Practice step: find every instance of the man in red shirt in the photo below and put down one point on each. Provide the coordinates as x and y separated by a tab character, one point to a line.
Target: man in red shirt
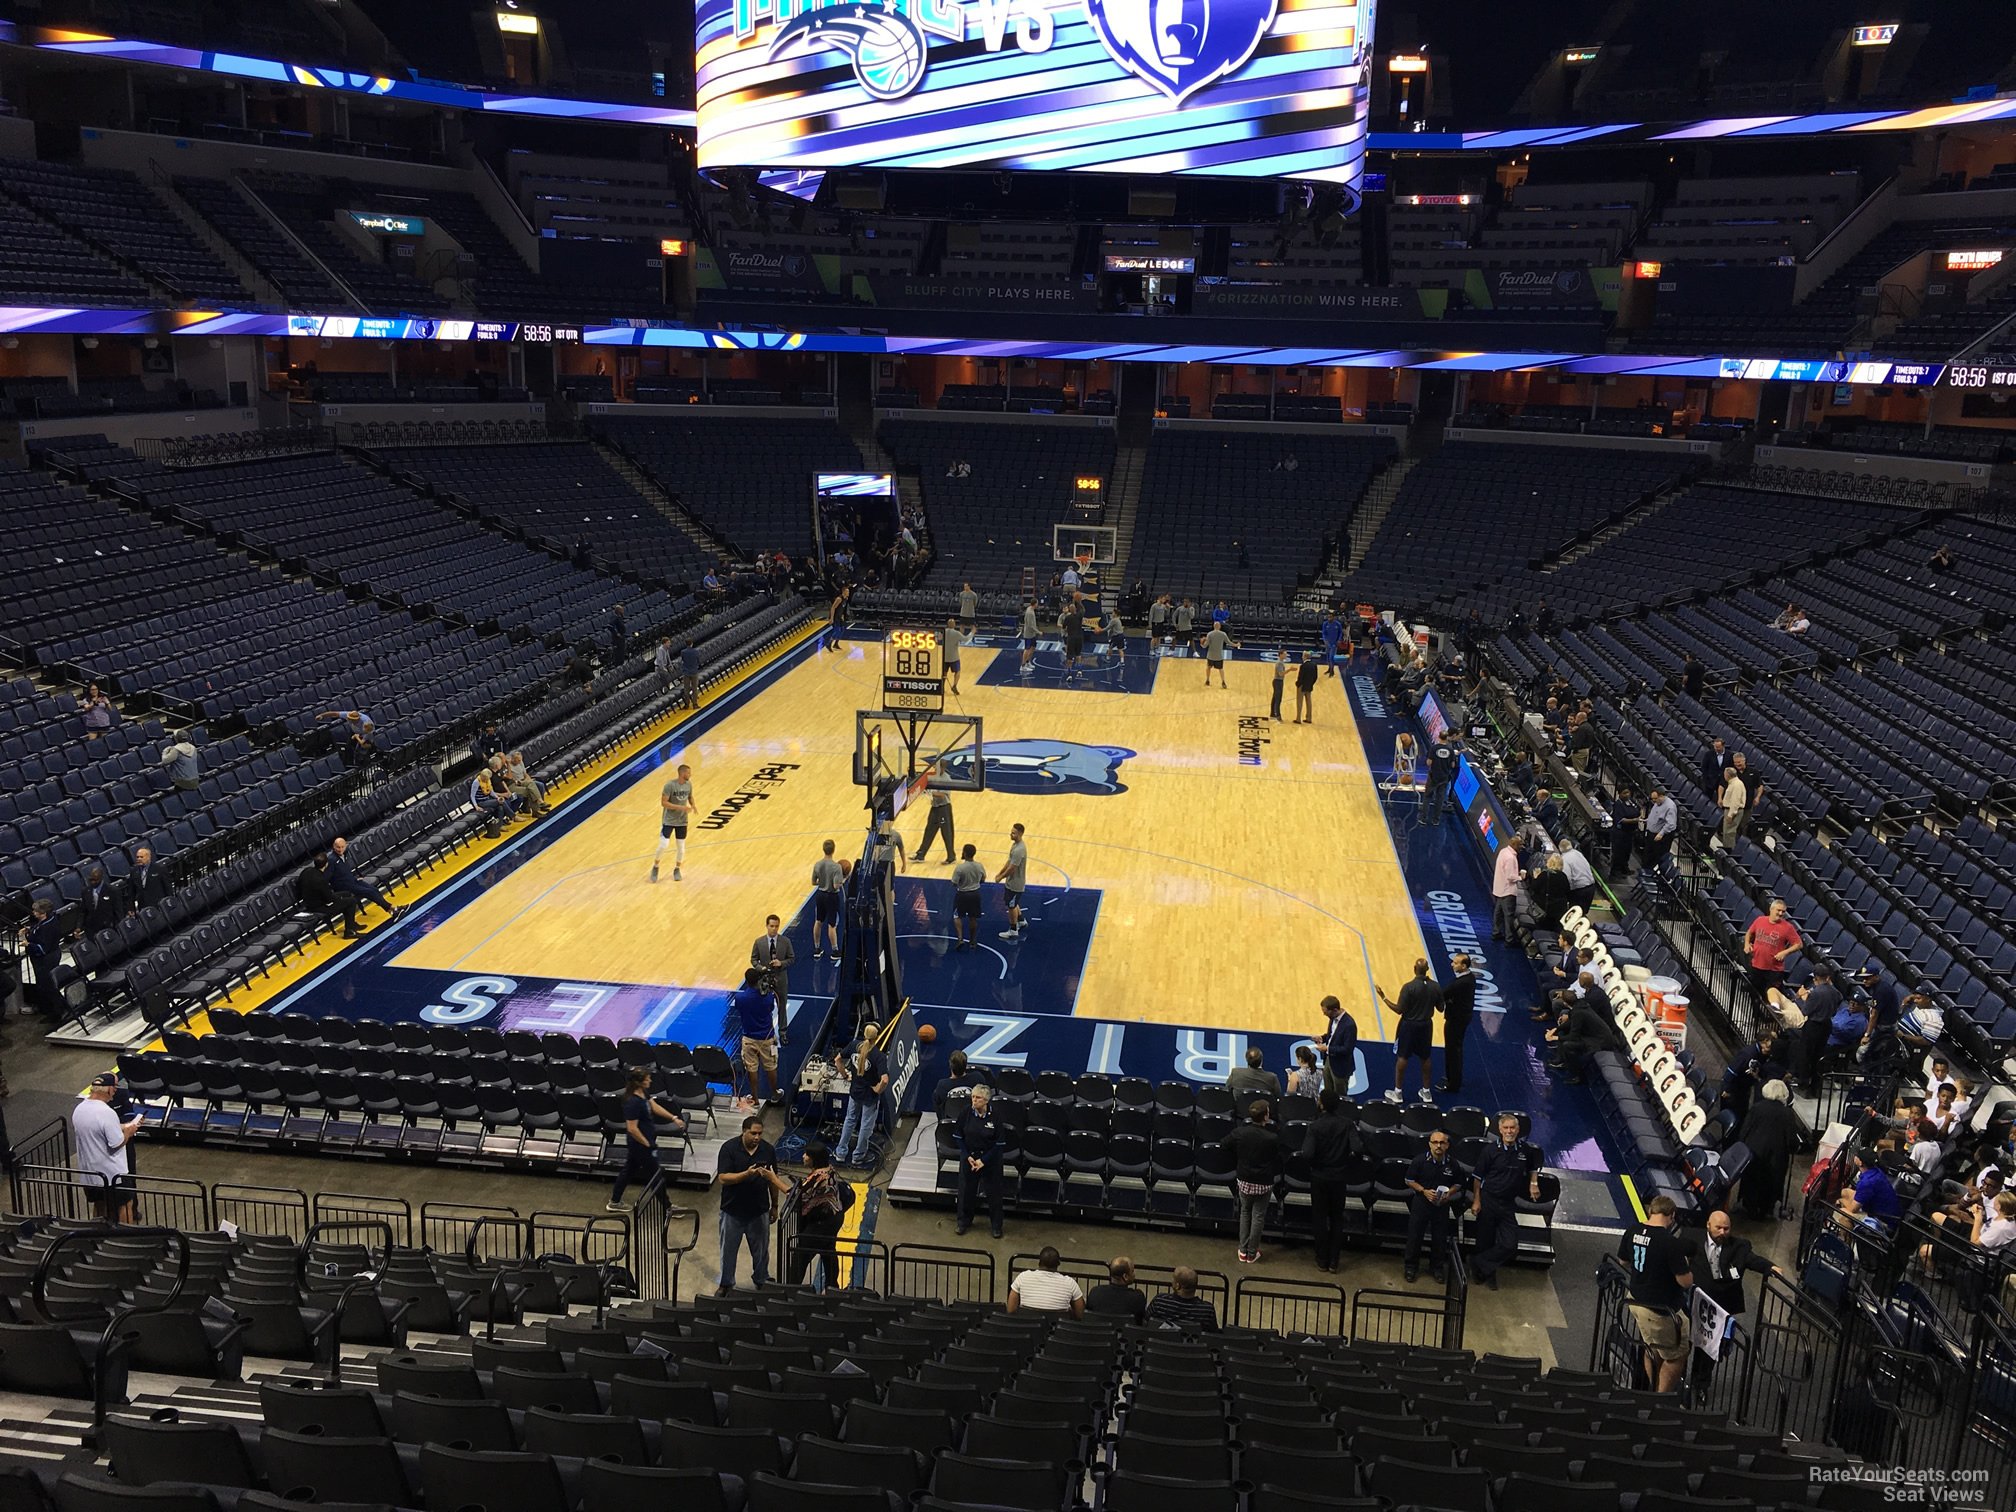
1771	940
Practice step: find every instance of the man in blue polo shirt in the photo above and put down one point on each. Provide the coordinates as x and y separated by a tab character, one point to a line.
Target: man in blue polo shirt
755	1008
1872	1199
1333	633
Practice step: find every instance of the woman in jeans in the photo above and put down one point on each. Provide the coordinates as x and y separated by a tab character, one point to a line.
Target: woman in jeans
1256	1153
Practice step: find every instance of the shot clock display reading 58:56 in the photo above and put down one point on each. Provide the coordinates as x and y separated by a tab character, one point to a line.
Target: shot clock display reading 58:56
913	671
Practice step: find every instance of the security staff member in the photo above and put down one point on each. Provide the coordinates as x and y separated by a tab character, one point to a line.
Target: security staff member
1719	1260
1505	1172
1437	1185
980	1158
44	941
1627	823
1441	778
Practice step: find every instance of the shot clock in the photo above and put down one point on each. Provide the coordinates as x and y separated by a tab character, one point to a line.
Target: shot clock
913	671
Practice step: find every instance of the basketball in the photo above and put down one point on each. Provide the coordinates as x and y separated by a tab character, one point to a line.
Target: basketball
927	1033
846	868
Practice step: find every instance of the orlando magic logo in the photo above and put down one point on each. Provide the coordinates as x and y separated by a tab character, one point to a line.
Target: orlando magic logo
1046	766
884	44
1179	46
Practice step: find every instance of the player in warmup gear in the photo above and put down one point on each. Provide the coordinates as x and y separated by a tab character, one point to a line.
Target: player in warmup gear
836	616
827	881
1072	623
966	879
1013	877
1029	637
1215	642
675	802
1414	1038
953	642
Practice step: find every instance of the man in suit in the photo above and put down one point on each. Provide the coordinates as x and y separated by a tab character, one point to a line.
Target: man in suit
100	910
1459	1002
1714	762
772	954
344	880
1721	1259
1580	1032
313	892
147	884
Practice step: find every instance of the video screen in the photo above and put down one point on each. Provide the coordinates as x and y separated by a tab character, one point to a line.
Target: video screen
855	513
1433	720
1226	88
854	485
1466	784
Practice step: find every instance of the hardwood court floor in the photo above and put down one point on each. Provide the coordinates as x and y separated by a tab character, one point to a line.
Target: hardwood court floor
1237	886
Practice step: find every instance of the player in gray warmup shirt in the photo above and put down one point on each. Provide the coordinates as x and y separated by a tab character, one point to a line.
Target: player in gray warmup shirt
1030	633
1013	877
676	810
966	879
953	642
1214	654
969	607
827	880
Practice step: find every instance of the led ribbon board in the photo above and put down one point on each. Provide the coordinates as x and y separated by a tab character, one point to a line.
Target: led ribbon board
1230	88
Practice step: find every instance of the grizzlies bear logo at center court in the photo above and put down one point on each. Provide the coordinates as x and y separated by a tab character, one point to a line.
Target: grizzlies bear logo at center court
1047	766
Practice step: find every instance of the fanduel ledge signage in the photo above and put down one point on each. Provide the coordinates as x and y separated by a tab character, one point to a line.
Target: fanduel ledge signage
1275	299
901	292
1553	287
748	268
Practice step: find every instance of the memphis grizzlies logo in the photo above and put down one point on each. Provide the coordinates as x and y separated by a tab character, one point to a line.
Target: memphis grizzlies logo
1046	766
1179	46
884	44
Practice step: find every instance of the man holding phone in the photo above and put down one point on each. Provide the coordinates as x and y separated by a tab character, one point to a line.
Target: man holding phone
746	1170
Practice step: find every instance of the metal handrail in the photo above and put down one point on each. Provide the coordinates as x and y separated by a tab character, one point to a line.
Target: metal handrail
39	1291
357	1283
497	1287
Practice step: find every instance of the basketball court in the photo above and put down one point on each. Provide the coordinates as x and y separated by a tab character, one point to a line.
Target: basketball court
1200	877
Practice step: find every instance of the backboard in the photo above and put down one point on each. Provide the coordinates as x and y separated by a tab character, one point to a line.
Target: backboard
893	747
1102	541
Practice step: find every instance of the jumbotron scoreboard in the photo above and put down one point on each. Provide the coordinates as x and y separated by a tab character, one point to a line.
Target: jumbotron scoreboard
1216	88
913	671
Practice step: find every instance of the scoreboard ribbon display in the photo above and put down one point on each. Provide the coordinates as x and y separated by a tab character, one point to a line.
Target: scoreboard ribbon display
1231	88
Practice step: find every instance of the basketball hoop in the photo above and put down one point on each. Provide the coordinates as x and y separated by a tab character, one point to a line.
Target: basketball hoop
1083	557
